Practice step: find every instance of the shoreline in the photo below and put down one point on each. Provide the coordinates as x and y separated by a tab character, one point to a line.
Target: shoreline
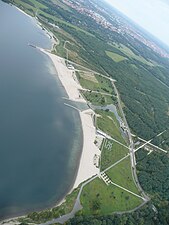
68	79
21	11
86	168
49	34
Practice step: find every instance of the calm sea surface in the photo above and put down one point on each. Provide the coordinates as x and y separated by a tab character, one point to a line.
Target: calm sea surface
39	150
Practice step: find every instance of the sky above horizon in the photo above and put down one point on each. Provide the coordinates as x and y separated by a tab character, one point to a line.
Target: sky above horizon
152	15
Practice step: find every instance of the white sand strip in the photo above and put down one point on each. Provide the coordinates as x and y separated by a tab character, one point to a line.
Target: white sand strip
67	77
87	168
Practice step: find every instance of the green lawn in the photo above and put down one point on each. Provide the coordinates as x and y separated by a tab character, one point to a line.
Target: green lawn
111	153
115	57
128	52
86	83
100	83
99	199
108	123
121	174
105	85
98	99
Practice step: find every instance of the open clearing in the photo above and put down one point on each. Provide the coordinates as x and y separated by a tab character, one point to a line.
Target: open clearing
115	57
99	199
121	174
128	52
109	126
89	76
111	153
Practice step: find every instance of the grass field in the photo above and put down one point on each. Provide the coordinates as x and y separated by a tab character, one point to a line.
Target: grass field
99	199
97	98
111	153
105	84
128	52
108	123
122	175
86	83
89	76
115	57
96	83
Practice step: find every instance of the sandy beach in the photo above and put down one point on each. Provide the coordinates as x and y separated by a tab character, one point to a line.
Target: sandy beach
87	168
68	79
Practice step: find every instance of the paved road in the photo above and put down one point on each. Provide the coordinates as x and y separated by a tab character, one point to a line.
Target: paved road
131	146
142	145
75	209
120	143
154	146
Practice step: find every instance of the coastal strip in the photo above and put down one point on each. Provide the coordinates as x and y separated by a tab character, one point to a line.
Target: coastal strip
86	169
68	79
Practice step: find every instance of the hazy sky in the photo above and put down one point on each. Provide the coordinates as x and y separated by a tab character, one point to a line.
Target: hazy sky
153	15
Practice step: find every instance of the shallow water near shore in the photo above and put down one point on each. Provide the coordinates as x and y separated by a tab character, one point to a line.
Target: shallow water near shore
40	138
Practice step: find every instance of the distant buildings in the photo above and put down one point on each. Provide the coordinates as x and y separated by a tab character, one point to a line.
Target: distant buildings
117	24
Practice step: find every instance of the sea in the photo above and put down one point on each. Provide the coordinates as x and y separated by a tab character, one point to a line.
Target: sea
40	137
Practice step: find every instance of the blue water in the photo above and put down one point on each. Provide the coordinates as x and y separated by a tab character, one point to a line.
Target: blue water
40	138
